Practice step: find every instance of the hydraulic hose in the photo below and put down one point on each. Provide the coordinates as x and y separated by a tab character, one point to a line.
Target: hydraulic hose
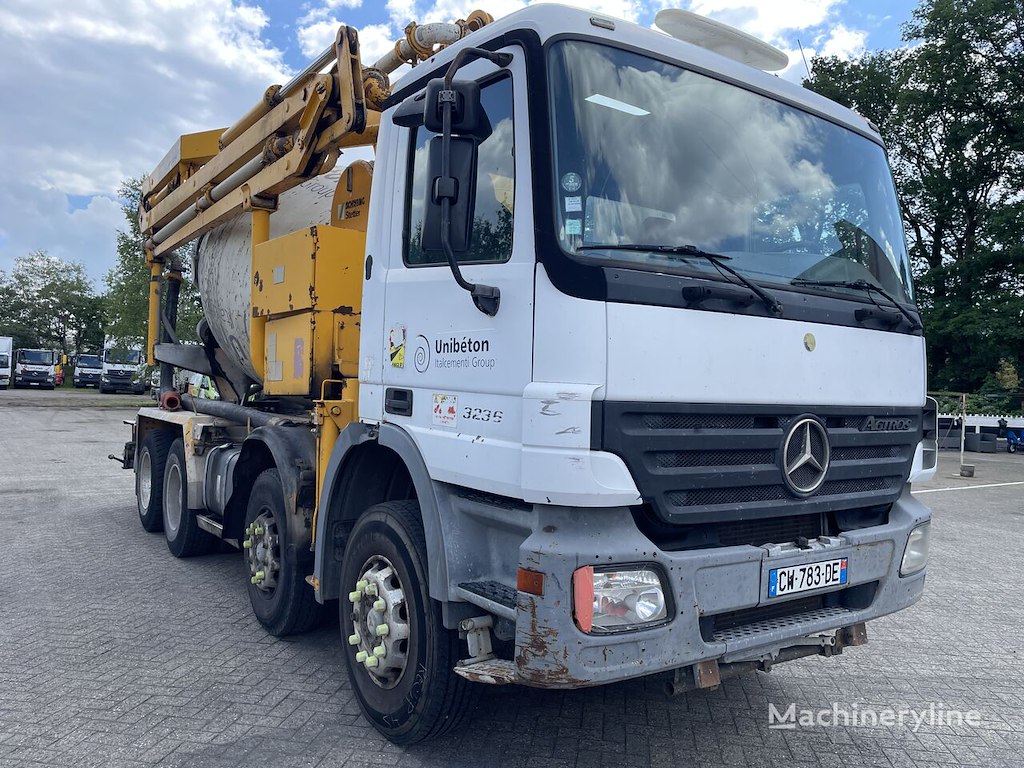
233	412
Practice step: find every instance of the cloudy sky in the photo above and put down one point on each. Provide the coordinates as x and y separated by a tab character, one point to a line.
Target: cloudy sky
98	90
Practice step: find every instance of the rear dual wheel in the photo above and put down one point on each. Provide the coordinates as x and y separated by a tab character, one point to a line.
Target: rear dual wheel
184	536
281	599
149	478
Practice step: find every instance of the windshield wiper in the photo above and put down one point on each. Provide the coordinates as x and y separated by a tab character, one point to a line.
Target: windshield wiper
692	251
866	286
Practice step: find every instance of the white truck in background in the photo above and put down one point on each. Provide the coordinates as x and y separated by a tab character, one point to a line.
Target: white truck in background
88	371
35	367
6	358
123	367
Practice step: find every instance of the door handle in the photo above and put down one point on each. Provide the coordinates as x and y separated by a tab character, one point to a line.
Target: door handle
398	401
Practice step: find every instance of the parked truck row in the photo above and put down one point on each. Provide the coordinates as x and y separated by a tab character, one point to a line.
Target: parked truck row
607	365
119	367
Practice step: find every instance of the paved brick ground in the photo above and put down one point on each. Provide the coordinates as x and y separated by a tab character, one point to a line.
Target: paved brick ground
113	653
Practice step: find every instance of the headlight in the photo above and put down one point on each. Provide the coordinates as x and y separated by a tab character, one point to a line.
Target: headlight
915	556
618	600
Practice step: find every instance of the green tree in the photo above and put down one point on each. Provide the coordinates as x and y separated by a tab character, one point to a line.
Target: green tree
949	109
127	299
49	303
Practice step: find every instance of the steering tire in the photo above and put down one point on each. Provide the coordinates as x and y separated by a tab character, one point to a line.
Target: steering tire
398	653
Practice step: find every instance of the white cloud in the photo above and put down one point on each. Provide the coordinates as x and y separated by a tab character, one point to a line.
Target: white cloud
96	92
316	29
769	20
845	43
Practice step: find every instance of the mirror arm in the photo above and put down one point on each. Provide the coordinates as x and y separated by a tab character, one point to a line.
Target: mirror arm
486	298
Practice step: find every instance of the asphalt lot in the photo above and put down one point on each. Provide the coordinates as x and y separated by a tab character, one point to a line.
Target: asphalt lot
113	653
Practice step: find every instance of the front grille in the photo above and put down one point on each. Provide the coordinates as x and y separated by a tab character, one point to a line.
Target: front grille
700	463
673	459
742	495
776	530
702	421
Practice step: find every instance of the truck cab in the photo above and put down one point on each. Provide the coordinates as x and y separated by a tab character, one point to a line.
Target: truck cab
123	368
35	367
706	376
88	371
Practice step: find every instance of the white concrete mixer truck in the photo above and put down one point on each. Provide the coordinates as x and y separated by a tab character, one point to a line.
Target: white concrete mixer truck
608	366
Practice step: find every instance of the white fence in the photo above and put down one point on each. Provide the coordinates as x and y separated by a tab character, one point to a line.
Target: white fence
975	420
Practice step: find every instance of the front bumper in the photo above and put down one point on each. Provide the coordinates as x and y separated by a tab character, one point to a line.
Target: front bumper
712	590
118	384
31	377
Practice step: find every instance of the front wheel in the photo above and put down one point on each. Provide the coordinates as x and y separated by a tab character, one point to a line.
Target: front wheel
281	599
184	536
1011	447
399	655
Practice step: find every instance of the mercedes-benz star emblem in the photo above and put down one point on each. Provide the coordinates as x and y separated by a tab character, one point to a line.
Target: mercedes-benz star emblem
805	455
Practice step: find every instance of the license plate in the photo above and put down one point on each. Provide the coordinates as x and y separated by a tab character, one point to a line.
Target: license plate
801	578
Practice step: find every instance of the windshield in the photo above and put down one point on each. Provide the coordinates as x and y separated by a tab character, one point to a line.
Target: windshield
35	356
88	361
648	153
122	356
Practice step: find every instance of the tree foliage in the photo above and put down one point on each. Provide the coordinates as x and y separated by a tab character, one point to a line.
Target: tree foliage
49	303
949	109
127	297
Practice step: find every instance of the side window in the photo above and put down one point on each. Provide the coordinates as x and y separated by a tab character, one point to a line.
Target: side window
491	239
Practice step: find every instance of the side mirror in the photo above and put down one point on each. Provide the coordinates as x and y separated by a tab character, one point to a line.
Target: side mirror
460	190
454	107
468	115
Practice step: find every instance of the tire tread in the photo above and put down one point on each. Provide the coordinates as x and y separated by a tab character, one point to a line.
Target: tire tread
195	540
159	443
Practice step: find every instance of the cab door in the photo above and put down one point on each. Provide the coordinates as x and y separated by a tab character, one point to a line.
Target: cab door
453	376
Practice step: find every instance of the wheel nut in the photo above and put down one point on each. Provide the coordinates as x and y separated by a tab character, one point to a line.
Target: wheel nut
382	630
371	661
257	577
247	544
371	590
361	584
362	656
353	639
380	651
258	530
380	605
355	597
